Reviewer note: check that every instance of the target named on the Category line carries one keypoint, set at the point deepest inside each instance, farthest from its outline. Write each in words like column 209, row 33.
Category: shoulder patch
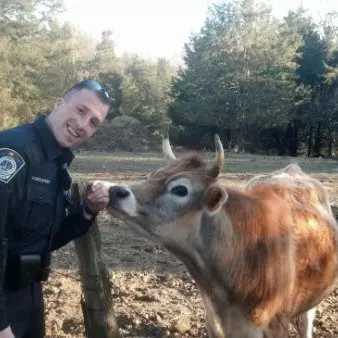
column 11, row 163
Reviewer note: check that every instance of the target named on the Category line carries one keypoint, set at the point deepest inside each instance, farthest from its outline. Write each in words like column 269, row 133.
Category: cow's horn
column 166, row 147
column 219, row 162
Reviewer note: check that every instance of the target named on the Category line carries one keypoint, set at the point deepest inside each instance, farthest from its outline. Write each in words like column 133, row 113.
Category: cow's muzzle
column 118, row 192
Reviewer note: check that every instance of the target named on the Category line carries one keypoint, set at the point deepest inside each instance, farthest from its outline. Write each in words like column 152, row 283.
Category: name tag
column 40, row 179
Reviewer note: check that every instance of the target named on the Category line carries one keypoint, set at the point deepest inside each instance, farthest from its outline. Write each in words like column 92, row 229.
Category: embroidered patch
column 10, row 164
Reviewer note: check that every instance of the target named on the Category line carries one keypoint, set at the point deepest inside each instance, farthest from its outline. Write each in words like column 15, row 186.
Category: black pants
column 26, row 312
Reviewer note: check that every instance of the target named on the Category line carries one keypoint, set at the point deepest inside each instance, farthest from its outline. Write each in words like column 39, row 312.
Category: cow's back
column 314, row 234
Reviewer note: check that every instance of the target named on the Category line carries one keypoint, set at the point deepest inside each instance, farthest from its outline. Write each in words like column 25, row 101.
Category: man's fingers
column 101, row 184
column 98, row 204
column 101, row 199
column 97, row 195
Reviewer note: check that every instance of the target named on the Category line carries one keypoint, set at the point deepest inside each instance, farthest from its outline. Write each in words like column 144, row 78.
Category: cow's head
column 169, row 203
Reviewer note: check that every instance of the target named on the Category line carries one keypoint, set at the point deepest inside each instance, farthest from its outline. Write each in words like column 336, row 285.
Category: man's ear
column 214, row 198
column 58, row 103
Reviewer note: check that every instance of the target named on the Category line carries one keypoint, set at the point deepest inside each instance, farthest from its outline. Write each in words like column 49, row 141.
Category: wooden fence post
column 96, row 302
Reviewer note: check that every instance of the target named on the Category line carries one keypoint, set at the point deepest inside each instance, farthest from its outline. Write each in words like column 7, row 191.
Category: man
column 34, row 219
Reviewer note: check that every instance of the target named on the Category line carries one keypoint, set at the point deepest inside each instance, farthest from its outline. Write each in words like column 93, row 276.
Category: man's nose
column 82, row 125
column 118, row 192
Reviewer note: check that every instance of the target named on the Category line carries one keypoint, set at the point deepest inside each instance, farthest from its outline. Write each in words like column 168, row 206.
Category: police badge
column 10, row 164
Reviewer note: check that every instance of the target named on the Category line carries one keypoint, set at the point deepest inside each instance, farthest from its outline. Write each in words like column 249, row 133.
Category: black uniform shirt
column 33, row 202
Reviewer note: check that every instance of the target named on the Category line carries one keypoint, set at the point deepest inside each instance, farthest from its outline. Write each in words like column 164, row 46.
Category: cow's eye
column 179, row 190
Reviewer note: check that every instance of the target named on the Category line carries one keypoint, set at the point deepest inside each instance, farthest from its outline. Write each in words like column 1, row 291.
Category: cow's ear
column 214, row 198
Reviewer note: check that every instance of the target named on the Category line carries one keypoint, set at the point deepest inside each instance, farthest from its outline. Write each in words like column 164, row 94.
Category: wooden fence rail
column 97, row 303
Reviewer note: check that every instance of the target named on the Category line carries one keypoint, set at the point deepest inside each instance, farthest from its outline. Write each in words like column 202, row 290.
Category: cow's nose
column 119, row 192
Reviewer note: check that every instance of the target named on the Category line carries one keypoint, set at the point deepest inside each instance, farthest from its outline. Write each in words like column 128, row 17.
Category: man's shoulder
column 18, row 137
column 16, row 150
column 19, row 140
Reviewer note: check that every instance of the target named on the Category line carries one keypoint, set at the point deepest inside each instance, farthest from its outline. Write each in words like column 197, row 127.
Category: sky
column 159, row 28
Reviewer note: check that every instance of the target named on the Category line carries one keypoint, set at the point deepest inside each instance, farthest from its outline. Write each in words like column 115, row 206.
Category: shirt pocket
column 41, row 207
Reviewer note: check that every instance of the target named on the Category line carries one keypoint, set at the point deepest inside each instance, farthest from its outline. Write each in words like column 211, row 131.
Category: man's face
column 76, row 118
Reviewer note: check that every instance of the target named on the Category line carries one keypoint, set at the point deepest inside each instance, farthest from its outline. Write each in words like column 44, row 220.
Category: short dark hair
column 93, row 86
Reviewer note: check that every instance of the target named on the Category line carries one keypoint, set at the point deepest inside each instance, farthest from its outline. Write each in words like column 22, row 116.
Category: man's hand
column 7, row 333
column 97, row 196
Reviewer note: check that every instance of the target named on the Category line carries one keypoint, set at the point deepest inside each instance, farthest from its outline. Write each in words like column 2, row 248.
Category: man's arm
column 78, row 223
column 72, row 227
column 4, row 200
column 13, row 171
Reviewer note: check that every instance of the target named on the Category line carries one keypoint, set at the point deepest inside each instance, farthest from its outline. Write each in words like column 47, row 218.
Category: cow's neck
column 213, row 238
column 221, row 311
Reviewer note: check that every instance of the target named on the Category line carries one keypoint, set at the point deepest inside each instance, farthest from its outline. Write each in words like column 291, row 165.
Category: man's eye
column 179, row 190
column 81, row 111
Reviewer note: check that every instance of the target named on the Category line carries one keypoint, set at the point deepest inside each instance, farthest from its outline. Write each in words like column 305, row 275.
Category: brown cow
column 261, row 257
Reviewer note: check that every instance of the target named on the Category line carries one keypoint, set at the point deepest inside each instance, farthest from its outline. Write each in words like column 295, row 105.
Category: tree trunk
column 229, row 139
column 242, row 138
column 294, row 139
column 331, row 143
column 310, row 141
column 288, row 138
column 279, row 141
column 318, row 140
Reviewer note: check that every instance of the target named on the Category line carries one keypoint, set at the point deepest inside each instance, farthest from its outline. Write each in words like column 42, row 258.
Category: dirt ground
column 153, row 294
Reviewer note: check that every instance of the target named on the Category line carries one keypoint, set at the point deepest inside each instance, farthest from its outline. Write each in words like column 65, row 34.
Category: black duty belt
column 25, row 269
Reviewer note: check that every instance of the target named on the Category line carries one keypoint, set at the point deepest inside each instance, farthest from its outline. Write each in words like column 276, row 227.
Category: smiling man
column 78, row 114
column 34, row 200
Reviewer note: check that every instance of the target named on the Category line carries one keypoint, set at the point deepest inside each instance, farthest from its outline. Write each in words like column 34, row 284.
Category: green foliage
column 239, row 70
column 145, row 89
column 258, row 81
column 40, row 59
column 246, row 73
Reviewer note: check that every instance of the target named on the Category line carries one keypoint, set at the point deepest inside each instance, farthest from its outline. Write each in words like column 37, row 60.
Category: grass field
column 154, row 295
